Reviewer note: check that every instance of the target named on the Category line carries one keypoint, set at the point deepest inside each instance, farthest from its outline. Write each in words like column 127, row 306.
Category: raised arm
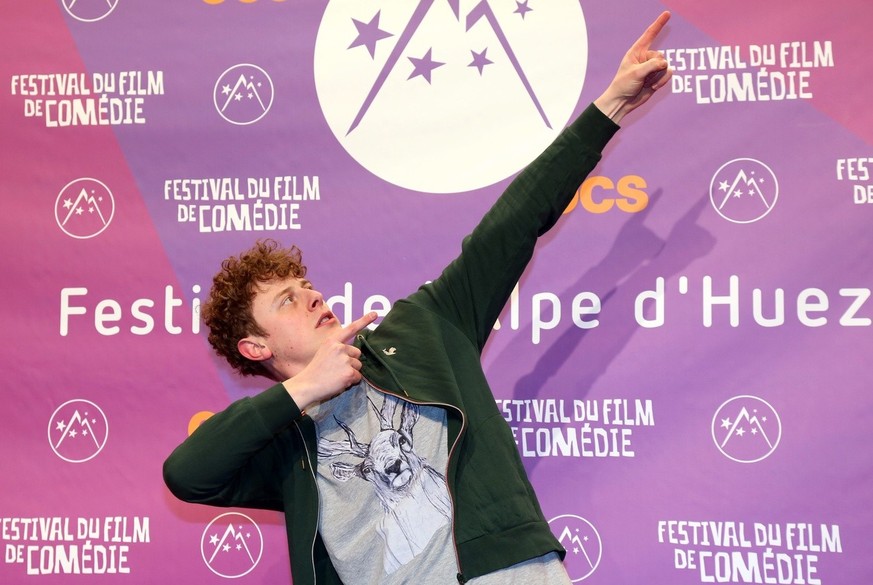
column 473, row 288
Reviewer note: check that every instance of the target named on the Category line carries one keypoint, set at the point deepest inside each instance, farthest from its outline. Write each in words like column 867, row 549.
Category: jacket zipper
column 317, row 500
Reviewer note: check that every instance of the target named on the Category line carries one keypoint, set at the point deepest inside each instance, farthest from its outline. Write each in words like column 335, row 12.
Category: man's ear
column 254, row 349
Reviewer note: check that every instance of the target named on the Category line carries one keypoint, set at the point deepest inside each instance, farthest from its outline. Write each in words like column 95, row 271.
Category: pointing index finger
column 348, row 332
column 647, row 38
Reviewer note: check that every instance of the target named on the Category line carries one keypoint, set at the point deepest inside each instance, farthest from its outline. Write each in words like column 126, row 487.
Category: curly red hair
column 228, row 310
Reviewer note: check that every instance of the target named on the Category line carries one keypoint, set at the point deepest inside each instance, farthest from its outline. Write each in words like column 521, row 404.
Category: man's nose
column 316, row 300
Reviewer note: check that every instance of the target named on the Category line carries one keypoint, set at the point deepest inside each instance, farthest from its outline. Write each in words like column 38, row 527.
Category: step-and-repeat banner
column 685, row 365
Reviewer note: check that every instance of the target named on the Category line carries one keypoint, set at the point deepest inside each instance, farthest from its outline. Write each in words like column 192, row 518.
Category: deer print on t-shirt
column 414, row 496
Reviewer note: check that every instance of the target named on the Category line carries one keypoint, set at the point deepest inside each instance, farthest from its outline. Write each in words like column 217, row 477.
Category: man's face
column 296, row 320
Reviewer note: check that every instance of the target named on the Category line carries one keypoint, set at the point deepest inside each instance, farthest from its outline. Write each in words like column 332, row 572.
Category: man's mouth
column 326, row 318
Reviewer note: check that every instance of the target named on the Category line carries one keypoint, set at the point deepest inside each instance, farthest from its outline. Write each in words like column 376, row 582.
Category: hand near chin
column 335, row 366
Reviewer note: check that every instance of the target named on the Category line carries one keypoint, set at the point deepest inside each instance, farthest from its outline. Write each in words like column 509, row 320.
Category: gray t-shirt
column 385, row 511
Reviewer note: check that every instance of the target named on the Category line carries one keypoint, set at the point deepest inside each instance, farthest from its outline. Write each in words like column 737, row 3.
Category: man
column 385, row 449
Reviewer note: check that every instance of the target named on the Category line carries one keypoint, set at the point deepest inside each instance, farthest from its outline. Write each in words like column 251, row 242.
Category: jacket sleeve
column 475, row 286
column 235, row 457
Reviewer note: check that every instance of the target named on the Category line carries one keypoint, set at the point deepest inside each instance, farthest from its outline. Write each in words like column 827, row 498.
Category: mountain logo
column 434, row 95
column 743, row 190
column 84, row 208
column 89, row 10
column 746, row 429
column 232, row 545
column 77, row 431
column 243, row 94
column 582, row 542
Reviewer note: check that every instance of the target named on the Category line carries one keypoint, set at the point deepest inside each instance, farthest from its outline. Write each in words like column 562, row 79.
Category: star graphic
column 90, row 210
column 522, row 8
column 725, row 423
column 424, row 66
column 61, row 425
column 754, row 431
column 738, row 193
column 225, row 89
column 239, row 547
column 84, row 432
column 73, row 433
column 741, row 431
column 238, row 97
column 68, row 203
column 213, row 539
column 79, row 211
column 480, row 60
column 369, row 34
column 226, row 548
column 723, row 186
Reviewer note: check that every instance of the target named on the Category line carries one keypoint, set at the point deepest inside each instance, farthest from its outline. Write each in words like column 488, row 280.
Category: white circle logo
column 243, row 94
column 445, row 97
column 232, row 545
column 77, row 431
column 743, row 190
column 583, row 544
column 89, row 10
column 84, row 208
column 746, row 429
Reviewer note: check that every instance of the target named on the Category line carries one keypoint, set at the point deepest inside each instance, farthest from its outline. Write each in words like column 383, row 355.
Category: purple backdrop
column 684, row 364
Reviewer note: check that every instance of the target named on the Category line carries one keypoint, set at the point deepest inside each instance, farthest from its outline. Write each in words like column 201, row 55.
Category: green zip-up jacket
column 261, row 451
